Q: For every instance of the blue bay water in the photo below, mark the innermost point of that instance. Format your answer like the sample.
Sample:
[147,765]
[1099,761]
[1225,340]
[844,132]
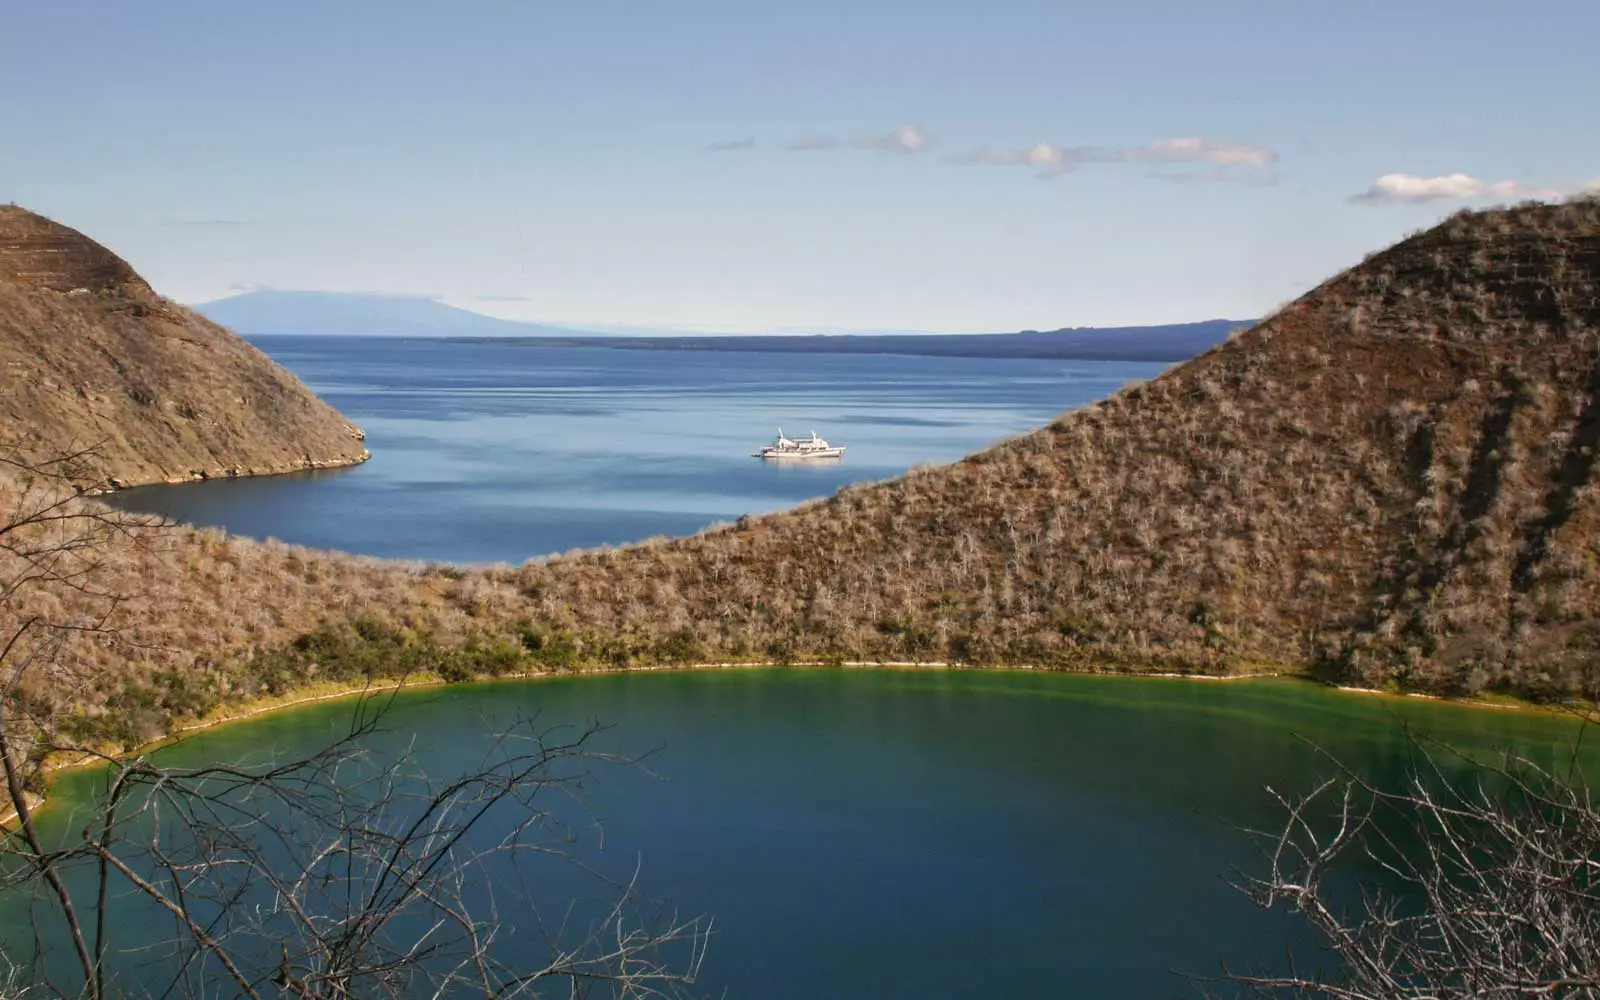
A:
[489,452]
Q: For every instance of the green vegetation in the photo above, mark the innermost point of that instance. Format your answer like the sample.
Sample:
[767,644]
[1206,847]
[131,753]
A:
[347,654]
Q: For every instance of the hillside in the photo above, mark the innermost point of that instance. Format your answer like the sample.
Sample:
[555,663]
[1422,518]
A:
[92,358]
[1391,481]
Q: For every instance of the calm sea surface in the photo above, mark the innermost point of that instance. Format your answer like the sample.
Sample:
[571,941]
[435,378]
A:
[494,453]
[897,834]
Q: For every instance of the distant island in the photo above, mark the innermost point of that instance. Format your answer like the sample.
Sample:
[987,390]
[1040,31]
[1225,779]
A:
[342,314]
[329,314]
[1175,342]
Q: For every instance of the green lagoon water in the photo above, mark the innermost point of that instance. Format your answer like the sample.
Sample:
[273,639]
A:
[879,833]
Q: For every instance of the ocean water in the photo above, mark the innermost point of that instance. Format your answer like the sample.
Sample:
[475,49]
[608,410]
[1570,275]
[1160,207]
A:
[488,452]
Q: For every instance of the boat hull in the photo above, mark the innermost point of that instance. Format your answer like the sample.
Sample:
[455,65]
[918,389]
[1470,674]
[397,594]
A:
[773,455]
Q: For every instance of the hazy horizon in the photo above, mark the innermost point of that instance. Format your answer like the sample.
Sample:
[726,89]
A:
[713,166]
[537,328]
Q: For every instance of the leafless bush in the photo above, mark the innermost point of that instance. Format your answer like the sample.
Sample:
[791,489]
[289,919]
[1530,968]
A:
[1492,886]
[343,873]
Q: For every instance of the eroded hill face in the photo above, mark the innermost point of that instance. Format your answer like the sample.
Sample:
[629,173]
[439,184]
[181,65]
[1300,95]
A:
[38,253]
[92,359]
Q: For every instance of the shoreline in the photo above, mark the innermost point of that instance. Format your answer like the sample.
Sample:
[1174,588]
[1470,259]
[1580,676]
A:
[265,706]
[118,484]
[254,708]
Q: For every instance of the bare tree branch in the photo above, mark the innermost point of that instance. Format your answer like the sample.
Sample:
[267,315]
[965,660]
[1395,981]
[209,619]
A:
[1489,886]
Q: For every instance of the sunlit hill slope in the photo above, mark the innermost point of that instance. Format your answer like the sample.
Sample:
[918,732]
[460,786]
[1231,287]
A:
[92,358]
[1391,479]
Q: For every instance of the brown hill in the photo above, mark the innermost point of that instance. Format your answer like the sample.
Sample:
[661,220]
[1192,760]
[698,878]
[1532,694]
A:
[92,358]
[1390,481]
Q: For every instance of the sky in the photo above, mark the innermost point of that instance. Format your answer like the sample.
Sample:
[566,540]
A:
[744,166]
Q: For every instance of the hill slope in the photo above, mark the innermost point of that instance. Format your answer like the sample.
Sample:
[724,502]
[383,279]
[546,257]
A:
[91,357]
[1393,480]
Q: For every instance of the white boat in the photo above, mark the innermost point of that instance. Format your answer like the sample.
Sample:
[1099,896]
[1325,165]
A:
[788,448]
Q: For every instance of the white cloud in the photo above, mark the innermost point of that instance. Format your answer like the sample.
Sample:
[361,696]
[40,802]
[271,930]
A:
[905,139]
[735,146]
[1192,149]
[1052,160]
[1409,189]
[813,143]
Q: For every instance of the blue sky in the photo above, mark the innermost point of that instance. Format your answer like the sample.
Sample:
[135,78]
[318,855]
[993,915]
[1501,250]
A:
[710,164]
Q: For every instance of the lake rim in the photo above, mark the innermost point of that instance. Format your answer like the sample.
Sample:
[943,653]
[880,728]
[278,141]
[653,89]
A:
[312,695]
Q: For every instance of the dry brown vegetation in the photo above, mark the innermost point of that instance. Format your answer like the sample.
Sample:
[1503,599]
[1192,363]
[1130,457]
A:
[1391,481]
[90,356]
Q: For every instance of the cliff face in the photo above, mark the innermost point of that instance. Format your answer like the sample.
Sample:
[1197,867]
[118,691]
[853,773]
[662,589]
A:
[93,361]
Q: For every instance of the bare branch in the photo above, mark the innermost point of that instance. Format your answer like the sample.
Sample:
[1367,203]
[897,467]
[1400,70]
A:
[1489,887]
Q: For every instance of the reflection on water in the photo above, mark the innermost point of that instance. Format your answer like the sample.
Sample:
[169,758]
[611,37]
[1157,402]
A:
[490,452]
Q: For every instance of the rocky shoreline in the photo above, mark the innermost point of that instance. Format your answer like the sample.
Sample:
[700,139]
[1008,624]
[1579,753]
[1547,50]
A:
[114,484]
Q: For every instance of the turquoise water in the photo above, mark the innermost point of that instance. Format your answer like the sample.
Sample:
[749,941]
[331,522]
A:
[876,834]
[487,452]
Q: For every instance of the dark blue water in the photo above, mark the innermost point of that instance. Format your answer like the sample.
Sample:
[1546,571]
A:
[487,452]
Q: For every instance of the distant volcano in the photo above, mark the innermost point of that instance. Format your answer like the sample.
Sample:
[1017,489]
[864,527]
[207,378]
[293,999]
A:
[343,314]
